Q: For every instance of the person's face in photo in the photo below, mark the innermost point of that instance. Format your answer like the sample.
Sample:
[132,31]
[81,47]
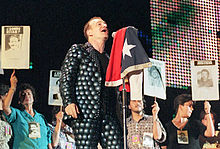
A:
[33,127]
[154,74]
[204,75]
[14,42]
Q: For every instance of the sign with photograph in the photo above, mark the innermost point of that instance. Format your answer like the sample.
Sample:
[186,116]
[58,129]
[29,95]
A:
[15,43]
[54,94]
[204,78]
[155,80]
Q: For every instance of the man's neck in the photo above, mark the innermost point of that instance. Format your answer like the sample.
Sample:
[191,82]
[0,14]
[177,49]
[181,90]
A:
[99,45]
[137,116]
[180,121]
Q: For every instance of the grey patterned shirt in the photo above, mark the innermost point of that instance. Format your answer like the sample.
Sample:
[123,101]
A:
[5,136]
[140,134]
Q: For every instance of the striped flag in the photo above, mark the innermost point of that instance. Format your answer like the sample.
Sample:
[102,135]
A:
[127,55]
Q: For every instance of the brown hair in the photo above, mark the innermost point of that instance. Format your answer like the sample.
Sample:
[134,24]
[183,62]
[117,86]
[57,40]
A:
[180,100]
[87,26]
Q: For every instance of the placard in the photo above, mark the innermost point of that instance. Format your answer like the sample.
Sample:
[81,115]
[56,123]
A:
[54,94]
[155,80]
[204,78]
[15,52]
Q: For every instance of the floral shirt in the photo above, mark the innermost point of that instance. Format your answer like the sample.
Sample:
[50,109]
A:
[5,134]
[140,134]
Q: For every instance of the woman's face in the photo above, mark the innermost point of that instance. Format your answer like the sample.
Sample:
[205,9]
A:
[186,109]
[26,97]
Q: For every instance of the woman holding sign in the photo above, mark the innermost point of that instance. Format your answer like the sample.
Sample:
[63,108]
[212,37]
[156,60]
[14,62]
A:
[30,127]
[182,132]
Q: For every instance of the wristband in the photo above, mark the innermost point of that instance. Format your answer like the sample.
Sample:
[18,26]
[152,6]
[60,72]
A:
[156,120]
[14,89]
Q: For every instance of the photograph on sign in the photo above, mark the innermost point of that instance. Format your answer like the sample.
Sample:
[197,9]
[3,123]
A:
[54,97]
[204,79]
[15,47]
[155,80]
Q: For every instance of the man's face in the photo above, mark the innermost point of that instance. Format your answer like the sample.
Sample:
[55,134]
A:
[98,29]
[186,109]
[204,75]
[27,97]
[136,106]
[13,43]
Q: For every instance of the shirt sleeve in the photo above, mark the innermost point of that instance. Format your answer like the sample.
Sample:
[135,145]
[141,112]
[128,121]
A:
[11,117]
[164,134]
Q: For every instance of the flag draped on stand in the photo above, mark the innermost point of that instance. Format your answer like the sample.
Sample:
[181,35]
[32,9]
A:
[127,59]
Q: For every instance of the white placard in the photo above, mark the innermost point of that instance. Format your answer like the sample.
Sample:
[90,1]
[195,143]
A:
[204,79]
[54,94]
[15,47]
[155,80]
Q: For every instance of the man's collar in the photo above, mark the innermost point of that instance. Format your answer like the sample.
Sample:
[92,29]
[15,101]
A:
[144,117]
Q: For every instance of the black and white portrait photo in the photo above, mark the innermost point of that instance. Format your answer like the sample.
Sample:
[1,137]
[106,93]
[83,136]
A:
[204,80]
[155,76]
[15,47]
[34,130]
[155,79]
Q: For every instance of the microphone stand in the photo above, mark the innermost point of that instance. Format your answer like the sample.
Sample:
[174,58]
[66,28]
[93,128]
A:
[124,105]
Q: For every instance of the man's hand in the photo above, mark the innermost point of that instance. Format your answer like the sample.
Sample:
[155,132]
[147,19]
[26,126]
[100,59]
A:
[155,110]
[72,110]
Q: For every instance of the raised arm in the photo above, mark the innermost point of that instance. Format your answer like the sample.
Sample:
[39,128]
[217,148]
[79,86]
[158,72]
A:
[56,133]
[8,99]
[210,129]
[158,130]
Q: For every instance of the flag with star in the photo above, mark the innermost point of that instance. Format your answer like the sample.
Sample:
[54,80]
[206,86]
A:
[127,55]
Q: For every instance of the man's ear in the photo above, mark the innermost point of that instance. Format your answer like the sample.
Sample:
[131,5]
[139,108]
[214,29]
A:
[89,32]
[180,107]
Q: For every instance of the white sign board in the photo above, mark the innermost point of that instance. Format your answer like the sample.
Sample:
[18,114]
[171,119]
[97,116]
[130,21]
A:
[155,80]
[204,79]
[54,94]
[15,52]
